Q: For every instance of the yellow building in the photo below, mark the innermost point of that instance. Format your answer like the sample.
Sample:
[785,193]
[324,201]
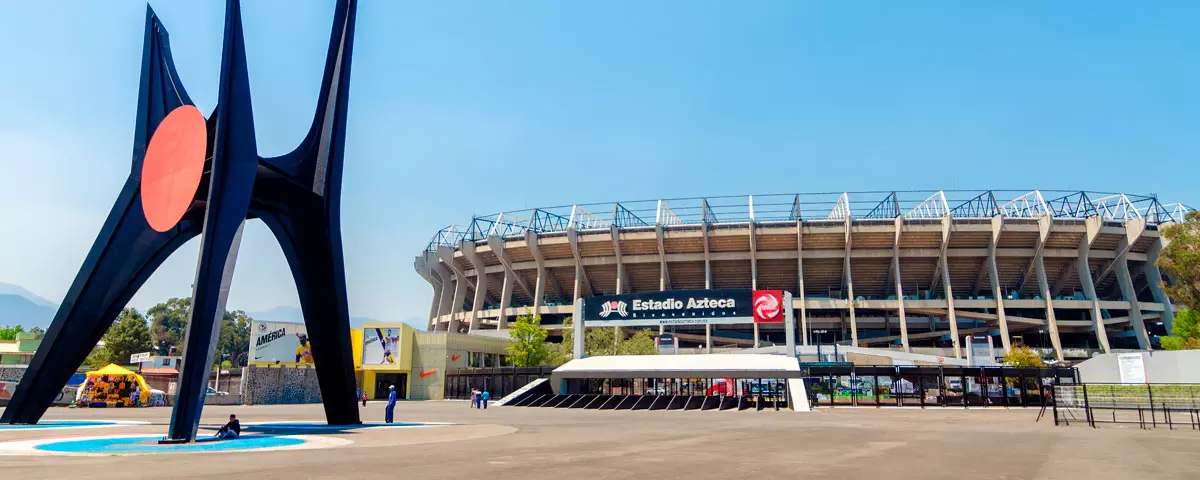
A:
[416,362]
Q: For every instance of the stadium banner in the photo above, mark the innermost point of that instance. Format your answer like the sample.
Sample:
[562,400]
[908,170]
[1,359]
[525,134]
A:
[381,346]
[684,307]
[278,342]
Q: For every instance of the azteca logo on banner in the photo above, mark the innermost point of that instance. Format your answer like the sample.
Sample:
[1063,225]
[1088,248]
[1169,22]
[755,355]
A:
[614,306]
[768,306]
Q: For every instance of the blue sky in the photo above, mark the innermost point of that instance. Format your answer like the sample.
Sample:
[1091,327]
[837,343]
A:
[460,108]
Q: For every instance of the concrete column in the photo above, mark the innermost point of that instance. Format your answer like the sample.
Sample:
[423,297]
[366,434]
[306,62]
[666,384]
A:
[1051,321]
[994,276]
[900,285]
[1154,278]
[539,290]
[707,265]
[448,288]
[615,233]
[456,308]
[756,340]
[1084,269]
[850,289]
[664,275]
[433,307]
[951,316]
[506,292]
[478,304]
[707,338]
[753,256]
[1121,268]
[800,281]
[425,271]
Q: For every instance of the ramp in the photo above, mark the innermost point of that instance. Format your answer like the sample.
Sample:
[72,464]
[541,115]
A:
[534,386]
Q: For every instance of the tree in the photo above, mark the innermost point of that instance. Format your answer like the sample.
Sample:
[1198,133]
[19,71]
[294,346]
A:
[1185,333]
[1181,258]
[234,342]
[602,341]
[10,333]
[37,332]
[1023,356]
[527,342]
[169,321]
[641,343]
[127,335]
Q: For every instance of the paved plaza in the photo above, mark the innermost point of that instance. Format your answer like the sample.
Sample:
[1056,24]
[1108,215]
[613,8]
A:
[534,443]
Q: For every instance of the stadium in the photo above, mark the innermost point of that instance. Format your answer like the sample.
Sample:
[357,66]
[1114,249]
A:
[1069,272]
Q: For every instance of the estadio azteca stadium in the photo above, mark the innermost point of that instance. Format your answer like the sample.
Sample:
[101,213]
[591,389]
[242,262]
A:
[1072,272]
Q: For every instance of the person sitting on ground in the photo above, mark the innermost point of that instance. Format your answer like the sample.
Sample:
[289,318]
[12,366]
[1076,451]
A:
[231,430]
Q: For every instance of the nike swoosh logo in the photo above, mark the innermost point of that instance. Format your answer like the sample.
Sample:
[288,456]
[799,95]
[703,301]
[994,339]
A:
[455,358]
[426,374]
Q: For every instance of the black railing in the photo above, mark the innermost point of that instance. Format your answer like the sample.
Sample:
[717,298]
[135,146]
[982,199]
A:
[932,386]
[497,381]
[1148,406]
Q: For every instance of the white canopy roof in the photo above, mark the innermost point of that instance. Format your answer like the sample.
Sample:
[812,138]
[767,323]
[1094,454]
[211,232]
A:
[678,366]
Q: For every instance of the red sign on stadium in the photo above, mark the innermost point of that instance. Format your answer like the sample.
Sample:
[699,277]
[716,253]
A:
[768,306]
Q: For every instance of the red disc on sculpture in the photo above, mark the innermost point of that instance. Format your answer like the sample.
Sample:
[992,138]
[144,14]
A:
[173,167]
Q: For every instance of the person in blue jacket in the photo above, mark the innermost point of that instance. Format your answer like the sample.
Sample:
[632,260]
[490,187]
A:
[483,398]
[391,405]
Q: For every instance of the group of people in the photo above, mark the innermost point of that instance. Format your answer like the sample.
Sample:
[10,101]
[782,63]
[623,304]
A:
[110,389]
[479,399]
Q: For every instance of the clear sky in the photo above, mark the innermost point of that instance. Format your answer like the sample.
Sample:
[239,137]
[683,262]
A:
[459,108]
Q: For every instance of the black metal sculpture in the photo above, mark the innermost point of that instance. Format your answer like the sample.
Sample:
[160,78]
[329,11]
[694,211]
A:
[175,192]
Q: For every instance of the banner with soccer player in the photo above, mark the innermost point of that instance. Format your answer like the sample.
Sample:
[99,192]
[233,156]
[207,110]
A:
[278,342]
[381,346]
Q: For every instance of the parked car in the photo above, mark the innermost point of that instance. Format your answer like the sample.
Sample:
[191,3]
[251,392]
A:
[212,391]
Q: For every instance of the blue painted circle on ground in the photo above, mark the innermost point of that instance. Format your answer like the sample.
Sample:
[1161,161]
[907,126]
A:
[149,444]
[59,424]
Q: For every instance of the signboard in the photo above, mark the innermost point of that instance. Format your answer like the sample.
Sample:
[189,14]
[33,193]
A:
[768,306]
[278,342]
[139,357]
[381,346]
[1132,367]
[675,307]
[667,344]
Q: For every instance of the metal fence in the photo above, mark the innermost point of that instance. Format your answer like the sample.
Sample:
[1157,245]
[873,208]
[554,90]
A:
[929,386]
[498,381]
[1147,406]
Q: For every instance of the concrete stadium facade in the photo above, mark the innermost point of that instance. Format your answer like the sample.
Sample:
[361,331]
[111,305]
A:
[903,270]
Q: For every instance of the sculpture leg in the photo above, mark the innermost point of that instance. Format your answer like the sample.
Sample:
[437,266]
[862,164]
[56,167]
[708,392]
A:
[314,254]
[123,256]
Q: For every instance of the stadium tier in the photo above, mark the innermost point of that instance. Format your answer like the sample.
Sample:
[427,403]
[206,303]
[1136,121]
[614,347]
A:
[1072,272]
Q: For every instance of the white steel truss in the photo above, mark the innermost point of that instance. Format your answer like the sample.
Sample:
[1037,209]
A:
[1029,205]
[933,207]
[841,210]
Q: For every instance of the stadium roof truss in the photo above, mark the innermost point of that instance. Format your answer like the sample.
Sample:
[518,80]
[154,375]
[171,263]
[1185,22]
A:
[815,207]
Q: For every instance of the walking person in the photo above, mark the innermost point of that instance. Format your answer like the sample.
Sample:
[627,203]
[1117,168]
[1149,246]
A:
[474,397]
[391,405]
[483,398]
[363,397]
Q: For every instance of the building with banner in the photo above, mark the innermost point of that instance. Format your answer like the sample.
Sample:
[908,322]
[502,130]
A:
[1072,273]
[415,362]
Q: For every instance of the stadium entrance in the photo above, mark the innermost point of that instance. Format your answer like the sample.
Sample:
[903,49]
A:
[384,380]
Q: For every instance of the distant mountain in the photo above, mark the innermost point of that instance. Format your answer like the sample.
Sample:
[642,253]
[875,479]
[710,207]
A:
[18,310]
[11,289]
[295,315]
